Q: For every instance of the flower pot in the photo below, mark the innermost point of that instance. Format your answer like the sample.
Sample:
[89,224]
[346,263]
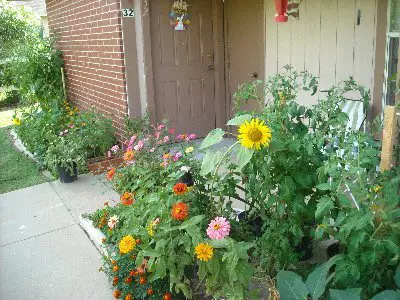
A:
[100,165]
[187,179]
[255,223]
[66,176]
[305,248]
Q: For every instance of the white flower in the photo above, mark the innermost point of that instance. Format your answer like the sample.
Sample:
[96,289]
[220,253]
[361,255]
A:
[185,169]
[112,222]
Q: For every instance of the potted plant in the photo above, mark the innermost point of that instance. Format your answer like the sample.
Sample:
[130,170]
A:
[98,136]
[64,155]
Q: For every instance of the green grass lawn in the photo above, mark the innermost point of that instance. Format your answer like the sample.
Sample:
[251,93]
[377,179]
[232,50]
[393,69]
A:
[17,170]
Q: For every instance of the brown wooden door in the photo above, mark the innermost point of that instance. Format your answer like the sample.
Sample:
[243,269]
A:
[183,68]
[245,43]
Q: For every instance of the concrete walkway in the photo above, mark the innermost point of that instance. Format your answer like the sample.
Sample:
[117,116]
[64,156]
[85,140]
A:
[44,253]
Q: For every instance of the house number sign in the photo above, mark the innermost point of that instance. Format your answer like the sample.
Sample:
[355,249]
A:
[128,12]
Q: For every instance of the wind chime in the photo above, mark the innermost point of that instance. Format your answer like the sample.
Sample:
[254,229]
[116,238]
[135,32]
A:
[286,8]
[178,17]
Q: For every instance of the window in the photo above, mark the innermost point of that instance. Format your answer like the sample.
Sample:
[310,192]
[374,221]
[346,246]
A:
[392,50]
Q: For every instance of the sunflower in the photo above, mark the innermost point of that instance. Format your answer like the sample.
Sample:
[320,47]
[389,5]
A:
[180,211]
[253,134]
[204,252]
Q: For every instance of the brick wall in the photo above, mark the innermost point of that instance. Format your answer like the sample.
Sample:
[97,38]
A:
[89,34]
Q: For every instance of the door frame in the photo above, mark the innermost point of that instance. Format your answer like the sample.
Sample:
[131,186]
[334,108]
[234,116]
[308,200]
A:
[145,60]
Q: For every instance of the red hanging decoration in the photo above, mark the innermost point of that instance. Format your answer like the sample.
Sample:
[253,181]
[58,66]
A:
[281,9]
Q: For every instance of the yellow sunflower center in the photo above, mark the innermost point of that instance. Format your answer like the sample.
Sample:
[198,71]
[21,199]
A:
[255,135]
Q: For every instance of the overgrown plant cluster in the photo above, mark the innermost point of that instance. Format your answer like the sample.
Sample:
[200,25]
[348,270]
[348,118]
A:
[301,176]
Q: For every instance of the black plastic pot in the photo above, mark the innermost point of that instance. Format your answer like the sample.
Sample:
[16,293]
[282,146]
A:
[333,250]
[305,248]
[187,179]
[255,223]
[65,173]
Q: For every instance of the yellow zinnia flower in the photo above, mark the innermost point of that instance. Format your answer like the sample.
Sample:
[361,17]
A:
[189,150]
[17,121]
[204,252]
[127,244]
[253,134]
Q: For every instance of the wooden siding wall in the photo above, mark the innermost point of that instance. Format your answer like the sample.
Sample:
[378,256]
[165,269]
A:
[326,41]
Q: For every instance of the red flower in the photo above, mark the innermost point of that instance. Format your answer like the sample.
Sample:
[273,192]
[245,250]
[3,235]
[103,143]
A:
[142,280]
[127,198]
[110,174]
[180,189]
[167,296]
[180,211]
[128,280]
[150,292]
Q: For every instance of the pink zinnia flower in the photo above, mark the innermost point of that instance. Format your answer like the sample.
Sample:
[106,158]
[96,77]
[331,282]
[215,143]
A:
[160,127]
[166,139]
[152,150]
[191,137]
[108,154]
[218,228]
[157,135]
[115,148]
[177,156]
[139,146]
[171,130]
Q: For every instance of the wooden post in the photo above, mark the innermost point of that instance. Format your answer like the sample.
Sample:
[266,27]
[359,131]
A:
[388,138]
[63,82]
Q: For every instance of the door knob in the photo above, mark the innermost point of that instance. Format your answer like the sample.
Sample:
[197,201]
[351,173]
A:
[254,75]
[210,68]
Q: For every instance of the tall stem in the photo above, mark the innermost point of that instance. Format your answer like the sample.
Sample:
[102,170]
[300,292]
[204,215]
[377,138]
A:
[216,171]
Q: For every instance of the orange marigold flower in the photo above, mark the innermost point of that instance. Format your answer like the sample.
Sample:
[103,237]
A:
[115,268]
[129,155]
[180,211]
[117,294]
[180,189]
[127,198]
[128,297]
[150,291]
[142,280]
[128,279]
[133,273]
[115,280]
[110,174]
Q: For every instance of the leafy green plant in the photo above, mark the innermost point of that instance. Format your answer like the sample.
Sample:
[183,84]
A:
[65,151]
[291,286]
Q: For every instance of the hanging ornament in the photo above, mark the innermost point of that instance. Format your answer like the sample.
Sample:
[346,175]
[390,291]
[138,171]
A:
[178,17]
[281,9]
[293,8]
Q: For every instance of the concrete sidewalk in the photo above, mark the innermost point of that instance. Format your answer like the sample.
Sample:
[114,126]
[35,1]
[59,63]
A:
[44,253]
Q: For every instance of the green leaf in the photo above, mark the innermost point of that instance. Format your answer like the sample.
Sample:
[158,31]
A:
[244,155]
[324,205]
[239,120]
[214,137]
[210,161]
[324,186]
[220,244]
[343,295]
[387,295]
[316,281]
[191,222]
[290,286]
[397,277]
